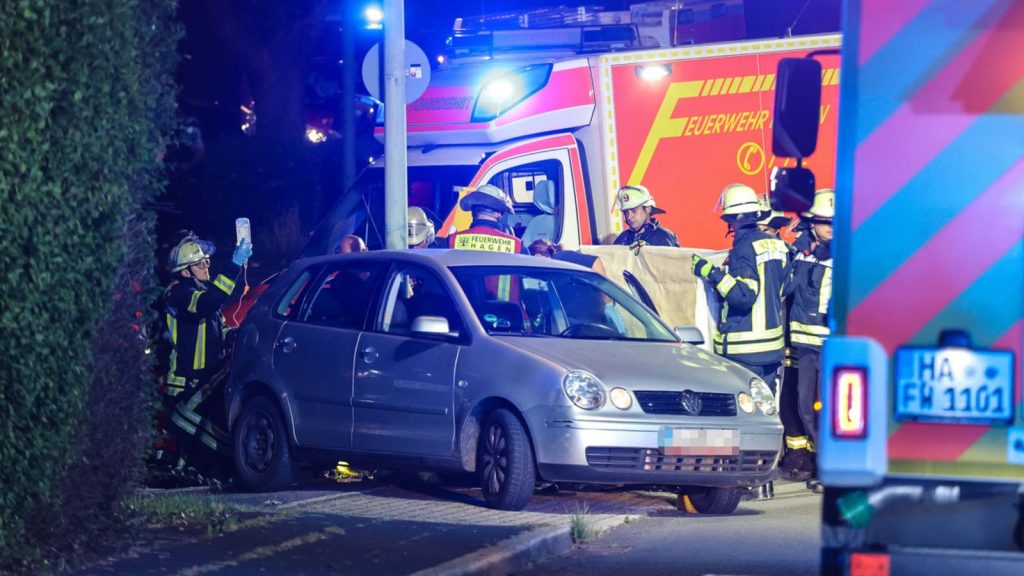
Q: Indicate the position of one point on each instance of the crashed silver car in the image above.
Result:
(515, 368)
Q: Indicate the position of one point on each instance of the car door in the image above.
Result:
(403, 398)
(313, 354)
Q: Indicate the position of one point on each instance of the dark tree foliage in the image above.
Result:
(86, 102)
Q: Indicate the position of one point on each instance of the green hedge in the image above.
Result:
(86, 97)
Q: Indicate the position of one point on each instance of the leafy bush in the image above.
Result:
(86, 98)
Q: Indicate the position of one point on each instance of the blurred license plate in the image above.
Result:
(956, 385)
(698, 441)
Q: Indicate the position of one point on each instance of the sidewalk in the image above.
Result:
(373, 528)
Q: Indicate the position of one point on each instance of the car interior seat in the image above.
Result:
(542, 225)
(500, 316)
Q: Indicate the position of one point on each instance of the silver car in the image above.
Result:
(516, 368)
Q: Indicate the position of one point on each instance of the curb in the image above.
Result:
(508, 556)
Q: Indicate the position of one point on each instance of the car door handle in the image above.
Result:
(369, 354)
(287, 344)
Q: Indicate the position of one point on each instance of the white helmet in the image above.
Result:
(824, 206)
(488, 196)
(740, 199)
(420, 228)
(634, 195)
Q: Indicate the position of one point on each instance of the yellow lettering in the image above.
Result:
(761, 119)
(664, 126)
(824, 112)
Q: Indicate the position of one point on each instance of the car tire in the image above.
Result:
(505, 462)
(263, 460)
(714, 500)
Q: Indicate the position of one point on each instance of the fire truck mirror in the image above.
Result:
(797, 107)
(792, 189)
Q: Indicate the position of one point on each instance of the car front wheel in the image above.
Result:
(505, 462)
(263, 460)
(712, 500)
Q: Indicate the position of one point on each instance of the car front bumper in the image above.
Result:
(588, 448)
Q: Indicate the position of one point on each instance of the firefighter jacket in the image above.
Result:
(809, 281)
(652, 234)
(750, 328)
(196, 327)
(486, 236)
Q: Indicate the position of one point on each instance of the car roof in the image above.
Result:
(449, 258)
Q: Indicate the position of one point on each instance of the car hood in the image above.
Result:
(641, 365)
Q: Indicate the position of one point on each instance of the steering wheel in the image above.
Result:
(593, 329)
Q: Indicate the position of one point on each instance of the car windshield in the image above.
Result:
(360, 211)
(550, 302)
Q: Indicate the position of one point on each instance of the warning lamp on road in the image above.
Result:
(849, 402)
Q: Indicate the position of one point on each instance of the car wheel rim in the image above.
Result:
(259, 444)
(495, 459)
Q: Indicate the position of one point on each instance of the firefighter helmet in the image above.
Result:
(488, 196)
(772, 218)
(740, 200)
(189, 251)
(824, 206)
(420, 228)
(632, 196)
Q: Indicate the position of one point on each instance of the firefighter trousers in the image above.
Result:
(808, 377)
(197, 422)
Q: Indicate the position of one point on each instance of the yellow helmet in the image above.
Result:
(824, 206)
(420, 228)
(488, 196)
(740, 199)
(632, 196)
(189, 251)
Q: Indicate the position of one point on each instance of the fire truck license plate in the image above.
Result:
(956, 385)
(698, 442)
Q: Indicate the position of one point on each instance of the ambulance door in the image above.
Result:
(519, 170)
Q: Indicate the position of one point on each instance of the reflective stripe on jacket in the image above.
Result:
(750, 328)
(810, 283)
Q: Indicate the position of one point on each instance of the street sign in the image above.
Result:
(417, 72)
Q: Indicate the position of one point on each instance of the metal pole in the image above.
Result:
(396, 200)
(348, 95)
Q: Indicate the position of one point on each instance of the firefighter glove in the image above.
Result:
(703, 268)
(242, 252)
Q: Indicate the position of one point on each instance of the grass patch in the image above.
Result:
(185, 512)
(581, 526)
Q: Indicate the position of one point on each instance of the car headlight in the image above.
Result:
(763, 397)
(583, 389)
(745, 402)
(621, 398)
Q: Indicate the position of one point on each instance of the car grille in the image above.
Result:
(712, 403)
(751, 462)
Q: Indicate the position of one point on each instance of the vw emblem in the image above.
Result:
(691, 402)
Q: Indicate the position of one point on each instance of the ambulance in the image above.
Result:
(921, 438)
(561, 117)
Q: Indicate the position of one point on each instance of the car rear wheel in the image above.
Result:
(263, 460)
(505, 462)
(712, 500)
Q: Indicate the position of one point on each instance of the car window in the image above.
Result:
(413, 292)
(341, 294)
(288, 306)
(553, 302)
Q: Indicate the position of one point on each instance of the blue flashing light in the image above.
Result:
(500, 93)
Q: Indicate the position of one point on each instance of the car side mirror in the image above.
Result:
(690, 335)
(436, 325)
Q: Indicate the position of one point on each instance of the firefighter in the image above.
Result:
(195, 324)
(750, 328)
(487, 204)
(643, 229)
(809, 281)
(420, 230)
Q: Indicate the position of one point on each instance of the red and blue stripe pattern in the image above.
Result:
(932, 168)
